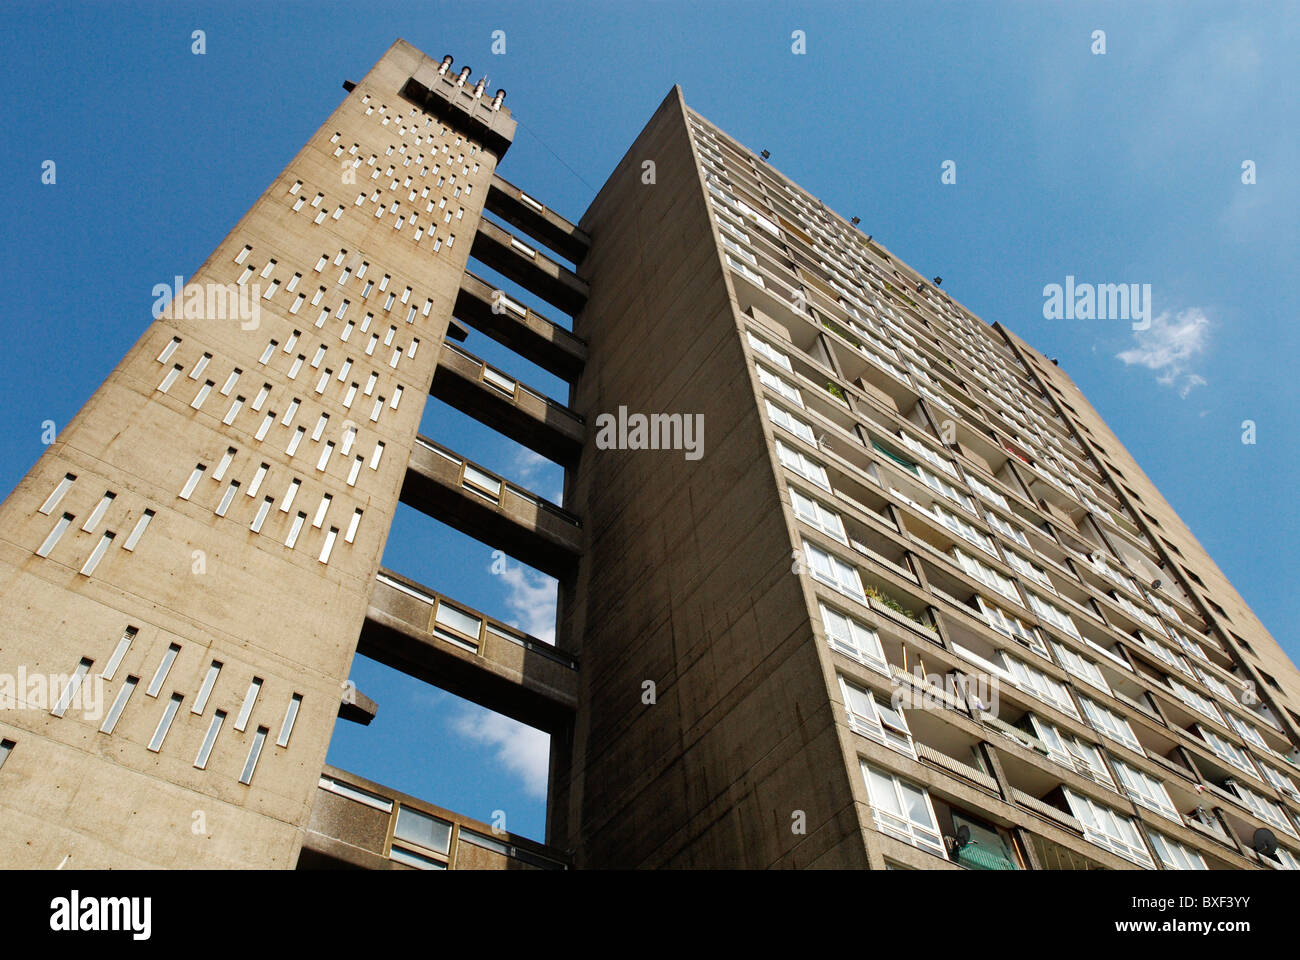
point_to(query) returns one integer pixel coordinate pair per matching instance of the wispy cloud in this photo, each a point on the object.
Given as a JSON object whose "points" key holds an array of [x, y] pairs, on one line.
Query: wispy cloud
{"points": [[539, 475], [519, 749], [1169, 347], [530, 597]]}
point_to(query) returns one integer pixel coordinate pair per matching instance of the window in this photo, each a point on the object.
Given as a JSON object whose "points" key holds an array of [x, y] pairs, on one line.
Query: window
{"points": [[1191, 698], [56, 496], [1174, 855], [250, 699], [773, 382], [1080, 667], [119, 704], [1262, 807], [123, 646], [165, 722], [1226, 751], [254, 752], [74, 684], [1071, 751], [1009, 626], [205, 691], [170, 378], [421, 829], [1038, 684], [763, 348], [853, 639], [290, 717], [1146, 790], [1027, 568], [210, 739], [834, 572], [813, 513], [803, 465], [1050, 613], [902, 810], [1248, 732], [164, 666], [987, 576], [1109, 829], [97, 554], [54, 535], [1110, 724], [875, 719], [790, 422]]}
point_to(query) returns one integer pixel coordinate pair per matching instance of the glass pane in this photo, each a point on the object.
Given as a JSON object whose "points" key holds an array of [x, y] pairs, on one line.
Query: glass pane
{"points": [[423, 829]]}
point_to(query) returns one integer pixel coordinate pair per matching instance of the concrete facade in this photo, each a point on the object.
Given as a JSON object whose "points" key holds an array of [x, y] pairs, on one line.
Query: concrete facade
{"points": [[905, 603]]}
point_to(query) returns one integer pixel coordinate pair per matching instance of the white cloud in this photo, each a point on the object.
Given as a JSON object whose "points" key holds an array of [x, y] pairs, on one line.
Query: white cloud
{"points": [[534, 469], [520, 749], [531, 597], [1169, 346]]}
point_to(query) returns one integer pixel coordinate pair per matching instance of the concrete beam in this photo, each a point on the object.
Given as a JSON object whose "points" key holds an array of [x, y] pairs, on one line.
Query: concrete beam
{"points": [[526, 332], [468, 654], [537, 220], [507, 406], [447, 487], [528, 267]]}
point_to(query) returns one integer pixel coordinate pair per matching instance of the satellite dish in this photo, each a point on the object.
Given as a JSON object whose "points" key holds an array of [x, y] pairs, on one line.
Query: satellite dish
{"points": [[1264, 842], [1155, 584]]}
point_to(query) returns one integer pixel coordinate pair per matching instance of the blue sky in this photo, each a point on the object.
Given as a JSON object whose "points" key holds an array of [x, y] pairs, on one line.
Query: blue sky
{"points": [[1124, 167]]}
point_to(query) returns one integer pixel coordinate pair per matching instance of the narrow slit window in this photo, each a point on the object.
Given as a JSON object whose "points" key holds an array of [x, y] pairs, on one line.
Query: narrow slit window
{"points": [[44, 549], [123, 646], [321, 424], [97, 554], [170, 378], [227, 498], [165, 723], [296, 439], [376, 455], [210, 739], [168, 350], [233, 412], [292, 539], [56, 496], [74, 684], [205, 691], [254, 751], [164, 667], [257, 479], [290, 717], [324, 460], [200, 366], [260, 519], [119, 704], [250, 699], [202, 395], [328, 546], [226, 459], [289, 494], [356, 469], [138, 530], [352, 526], [230, 382], [193, 481], [321, 510], [97, 514]]}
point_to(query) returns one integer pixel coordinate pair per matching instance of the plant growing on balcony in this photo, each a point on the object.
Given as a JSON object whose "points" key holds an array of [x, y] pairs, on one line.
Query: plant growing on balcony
{"points": [[881, 597], [834, 391]]}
